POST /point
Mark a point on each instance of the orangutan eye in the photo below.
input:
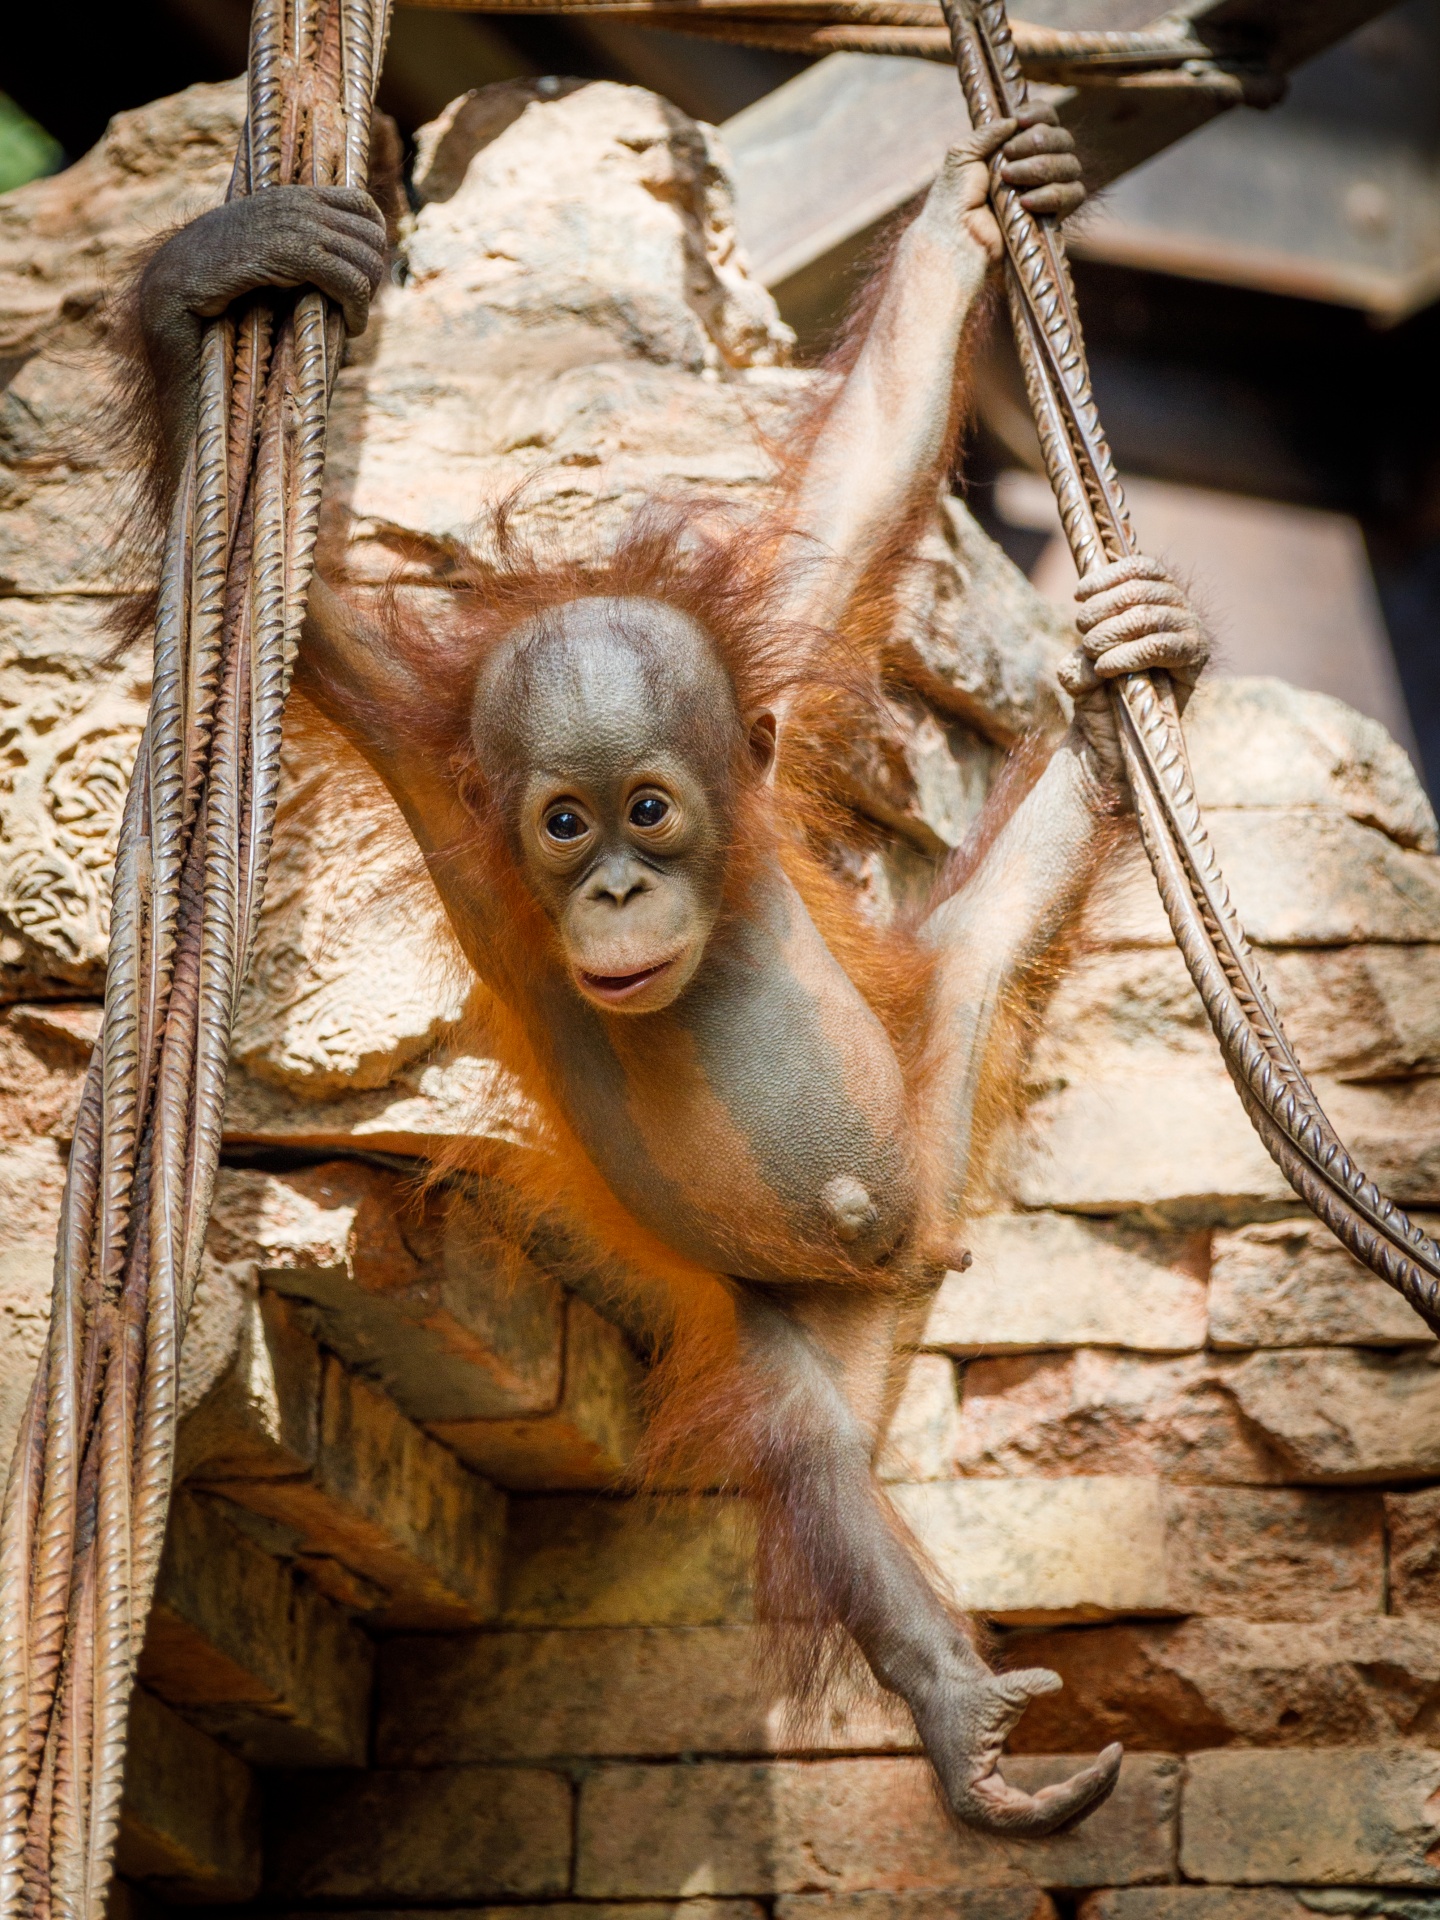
(649, 812)
(565, 824)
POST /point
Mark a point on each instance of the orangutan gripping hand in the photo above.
(332, 238)
(888, 437)
(1133, 618)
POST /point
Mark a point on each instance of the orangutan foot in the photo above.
(964, 1720)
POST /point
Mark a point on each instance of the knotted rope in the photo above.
(89, 1489)
(1276, 1094)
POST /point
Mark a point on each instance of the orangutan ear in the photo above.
(762, 742)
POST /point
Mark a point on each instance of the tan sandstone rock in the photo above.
(1204, 1683)
(1095, 1412)
(597, 365)
(1413, 1523)
(1289, 1283)
(1262, 743)
(1051, 1280)
(1337, 1817)
(614, 1692)
(848, 1825)
(924, 1431)
(1302, 1415)
(1258, 1903)
(1298, 877)
(1080, 1548)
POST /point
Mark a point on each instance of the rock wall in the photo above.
(413, 1646)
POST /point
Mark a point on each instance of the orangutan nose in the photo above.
(618, 882)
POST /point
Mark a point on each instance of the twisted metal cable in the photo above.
(1271, 1083)
(89, 1488)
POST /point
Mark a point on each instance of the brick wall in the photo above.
(414, 1648)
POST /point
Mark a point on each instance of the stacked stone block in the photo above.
(415, 1645)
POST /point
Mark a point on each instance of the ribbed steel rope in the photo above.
(89, 1488)
(1273, 1088)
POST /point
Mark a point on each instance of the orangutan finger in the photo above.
(1181, 654)
(1059, 200)
(1134, 566)
(1120, 599)
(1137, 623)
(1033, 142)
(1044, 170)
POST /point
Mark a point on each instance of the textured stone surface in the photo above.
(587, 1438)
(190, 1822)
(1363, 1817)
(974, 635)
(993, 1903)
(1412, 1521)
(575, 334)
(1260, 743)
(1179, 1142)
(70, 722)
(616, 1692)
(919, 774)
(595, 1910)
(1360, 1012)
(1040, 1548)
(647, 1562)
(1335, 1415)
(71, 726)
(921, 1441)
(416, 1290)
(1205, 1683)
(1132, 1107)
(574, 311)
(459, 1833)
(1256, 1903)
(1289, 1283)
(243, 1646)
(64, 239)
(32, 1173)
(1356, 1013)
(1101, 1412)
(295, 1438)
(1298, 877)
(1274, 1553)
(845, 1825)
(421, 1112)
(1322, 1414)
(356, 972)
(1083, 1547)
(1051, 1280)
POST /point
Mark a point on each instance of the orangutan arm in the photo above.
(993, 930)
(887, 439)
(1034, 874)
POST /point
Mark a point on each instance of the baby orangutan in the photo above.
(759, 1102)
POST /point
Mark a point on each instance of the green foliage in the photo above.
(26, 149)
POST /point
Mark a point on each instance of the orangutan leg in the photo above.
(812, 1456)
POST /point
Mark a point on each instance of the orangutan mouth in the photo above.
(615, 987)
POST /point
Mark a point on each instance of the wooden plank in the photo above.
(842, 146)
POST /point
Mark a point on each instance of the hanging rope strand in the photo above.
(89, 1490)
(1272, 1085)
